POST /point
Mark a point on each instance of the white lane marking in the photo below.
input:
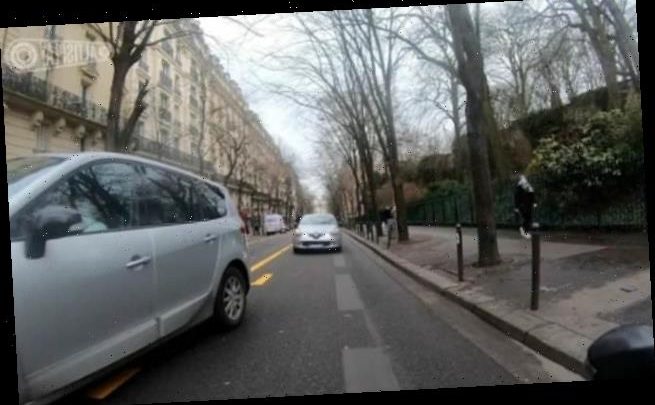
(339, 261)
(368, 370)
(348, 298)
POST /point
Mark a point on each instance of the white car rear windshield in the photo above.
(318, 220)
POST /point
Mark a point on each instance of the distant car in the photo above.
(112, 254)
(273, 223)
(317, 232)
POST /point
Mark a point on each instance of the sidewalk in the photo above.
(586, 288)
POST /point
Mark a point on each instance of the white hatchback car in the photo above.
(317, 232)
(111, 254)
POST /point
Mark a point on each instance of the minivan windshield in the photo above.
(318, 219)
(22, 171)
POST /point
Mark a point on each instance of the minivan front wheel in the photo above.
(230, 306)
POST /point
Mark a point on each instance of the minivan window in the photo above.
(173, 195)
(22, 171)
(104, 195)
(205, 202)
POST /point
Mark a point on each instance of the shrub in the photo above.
(593, 164)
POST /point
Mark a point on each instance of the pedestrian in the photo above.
(524, 203)
(255, 225)
(391, 220)
(244, 218)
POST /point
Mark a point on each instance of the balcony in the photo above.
(151, 147)
(166, 82)
(37, 89)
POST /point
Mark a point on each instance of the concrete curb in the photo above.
(550, 339)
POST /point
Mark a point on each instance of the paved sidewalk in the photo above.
(587, 288)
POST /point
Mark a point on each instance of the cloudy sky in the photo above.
(241, 52)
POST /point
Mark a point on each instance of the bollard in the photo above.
(460, 254)
(536, 266)
(377, 236)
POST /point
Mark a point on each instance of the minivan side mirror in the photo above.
(51, 222)
(623, 352)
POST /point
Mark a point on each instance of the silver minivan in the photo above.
(111, 254)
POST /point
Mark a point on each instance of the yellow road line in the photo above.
(263, 279)
(269, 259)
(110, 385)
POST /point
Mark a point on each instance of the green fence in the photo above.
(459, 208)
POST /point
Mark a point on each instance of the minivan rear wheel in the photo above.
(230, 304)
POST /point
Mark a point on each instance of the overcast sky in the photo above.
(241, 53)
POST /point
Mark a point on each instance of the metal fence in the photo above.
(459, 208)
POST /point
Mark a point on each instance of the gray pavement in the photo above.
(334, 323)
(586, 289)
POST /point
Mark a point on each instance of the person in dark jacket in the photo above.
(524, 203)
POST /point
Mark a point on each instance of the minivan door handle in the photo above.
(210, 238)
(137, 262)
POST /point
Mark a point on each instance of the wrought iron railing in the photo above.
(36, 88)
(161, 150)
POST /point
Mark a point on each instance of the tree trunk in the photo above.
(626, 41)
(598, 36)
(553, 87)
(480, 125)
(114, 143)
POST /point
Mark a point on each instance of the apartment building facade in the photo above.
(195, 116)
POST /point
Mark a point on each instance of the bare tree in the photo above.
(480, 124)
(589, 17)
(626, 40)
(127, 41)
(374, 58)
(332, 93)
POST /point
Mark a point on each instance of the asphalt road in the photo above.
(324, 323)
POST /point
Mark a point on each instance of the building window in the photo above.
(163, 101)
(165, 68)
(41, 140)
(139, 128)
(164, 136)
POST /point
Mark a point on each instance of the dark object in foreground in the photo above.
(626, 352)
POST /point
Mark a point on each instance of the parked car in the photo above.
(112, 254)
(316, 232)
(273, 223)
